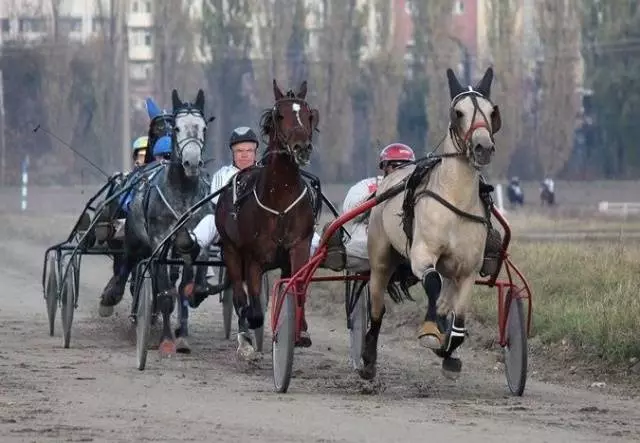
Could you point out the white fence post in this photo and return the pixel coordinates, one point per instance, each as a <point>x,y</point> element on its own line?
<point>499,198</point>
<point>25,182</point>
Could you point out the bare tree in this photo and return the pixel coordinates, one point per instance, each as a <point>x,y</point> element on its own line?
<point>385,70</point>
<point>333,77</point>
<point>435,17</point>
<point>558,29</point>
<point>504,38</point>
<point>175,47</point>
<point>60,106</point>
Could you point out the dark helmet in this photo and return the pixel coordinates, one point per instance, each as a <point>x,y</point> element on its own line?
<point>243,134</point>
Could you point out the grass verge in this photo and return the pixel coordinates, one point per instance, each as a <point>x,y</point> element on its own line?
<point>585,294</point>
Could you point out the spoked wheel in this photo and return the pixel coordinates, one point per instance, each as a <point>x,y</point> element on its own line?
<point>357,301</point>
<point>226,299</point>
<point>515,351</point>
<point>69,298</point>
<point>264,302</point>
<point>283,342</point>
<point>51,289</point>
<point>144,315</point>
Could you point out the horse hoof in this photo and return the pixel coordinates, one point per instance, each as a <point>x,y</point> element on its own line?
<point>167,348</point>
<point>430,336</point>
<point>245,349</point>
<point>305,340</point>
<point>182,346</point>
<point>105,311</point>
<point>367,372</point>
<point>451,368</point>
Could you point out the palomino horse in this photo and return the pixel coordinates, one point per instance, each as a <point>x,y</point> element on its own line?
<point>265,216</point>
<point>445,238</point>
<point>160,201</point>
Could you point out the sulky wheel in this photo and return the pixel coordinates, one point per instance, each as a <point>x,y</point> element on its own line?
<point>264,302</point>
<point>357,301</point>
<point>51,289</point>
<point>283,341</point>
<point>69,299</point>
<point>515,351</point>
<point>144,315</point>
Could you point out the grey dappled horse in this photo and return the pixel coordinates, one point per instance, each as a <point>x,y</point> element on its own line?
<point>157,205</point>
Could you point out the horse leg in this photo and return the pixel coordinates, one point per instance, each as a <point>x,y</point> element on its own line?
<point>165,299</point>
<point>454,299</point>
<point>378,281</point>
<point>114,290</point>
<point>381,270</point>
<point>182,331</point>
<point>233,263</point>
<point>423,266</point>
<point>298,256</point>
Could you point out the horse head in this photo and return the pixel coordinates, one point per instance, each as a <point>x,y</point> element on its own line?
<point>290,124</point>
<point>474,119</point>
<point>189,137</point>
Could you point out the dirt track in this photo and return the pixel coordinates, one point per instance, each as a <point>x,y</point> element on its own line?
<point>92,392</point>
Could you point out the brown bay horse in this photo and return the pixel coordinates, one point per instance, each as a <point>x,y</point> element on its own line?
<point>265,215</point>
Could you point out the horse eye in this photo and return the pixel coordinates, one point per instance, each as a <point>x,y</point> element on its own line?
<point>459,113</point>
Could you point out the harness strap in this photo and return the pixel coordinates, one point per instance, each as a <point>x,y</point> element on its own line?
<point>289,208</point>
<point>460,212</point>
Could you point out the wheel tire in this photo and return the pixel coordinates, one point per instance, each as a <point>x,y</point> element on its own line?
<point>69,297</point>
<point>264,302</point>
<point>515,351</point>
<point>359,319</point>
<point>283,344</point>
<point>144,314</point>
<point>51,290</point>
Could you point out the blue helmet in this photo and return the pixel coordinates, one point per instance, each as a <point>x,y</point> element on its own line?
<point>162,146</point>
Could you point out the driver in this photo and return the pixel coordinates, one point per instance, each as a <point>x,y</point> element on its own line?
<point>353,254</point>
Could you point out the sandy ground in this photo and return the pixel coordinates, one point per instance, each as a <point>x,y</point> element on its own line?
<point>92,392</point>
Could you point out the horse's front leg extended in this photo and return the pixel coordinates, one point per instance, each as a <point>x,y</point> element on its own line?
<point>166,298</point>
<point>454,300</point>
<point>298,256</point>
<point>235,273</point>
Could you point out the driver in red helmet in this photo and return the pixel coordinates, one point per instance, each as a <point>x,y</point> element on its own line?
<point>353,254</point>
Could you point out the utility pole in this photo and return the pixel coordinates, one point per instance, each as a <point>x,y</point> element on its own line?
<point>123,53</point>
<point>3,145</point>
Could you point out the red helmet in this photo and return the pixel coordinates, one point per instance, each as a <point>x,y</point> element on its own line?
<point>396,153</point>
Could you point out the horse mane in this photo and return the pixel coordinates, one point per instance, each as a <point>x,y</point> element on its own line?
<point>266,123</point>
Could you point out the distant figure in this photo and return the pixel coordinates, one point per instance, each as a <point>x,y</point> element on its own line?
<point>547,192</point>
<point>514,192</point>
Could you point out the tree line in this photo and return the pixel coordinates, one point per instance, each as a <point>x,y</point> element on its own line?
<point>550,128</point>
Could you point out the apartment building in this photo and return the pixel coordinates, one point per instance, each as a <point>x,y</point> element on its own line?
<point>82,20</point>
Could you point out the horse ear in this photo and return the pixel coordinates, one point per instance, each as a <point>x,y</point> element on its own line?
<point>496,120</point>
<point>200,100</point>
<point>277,93</point>
<point>302,92</point>
<point>484,85</point>
<point>175,99</point>
<point>455,87</point>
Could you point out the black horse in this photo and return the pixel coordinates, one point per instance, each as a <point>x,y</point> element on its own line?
<point>157,204</point>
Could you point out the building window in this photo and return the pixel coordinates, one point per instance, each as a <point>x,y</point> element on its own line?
<point>5,25</point>
<point>134,6</point>
<point>147,6</point>
<point>70,24</point>
<point>458,7</point>
<point>32,25</point>
<point>147,38</point>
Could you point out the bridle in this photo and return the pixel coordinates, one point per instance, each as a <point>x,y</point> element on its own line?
<point>462,142</point>
<point>180,145</point>
<point>277,137</point>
